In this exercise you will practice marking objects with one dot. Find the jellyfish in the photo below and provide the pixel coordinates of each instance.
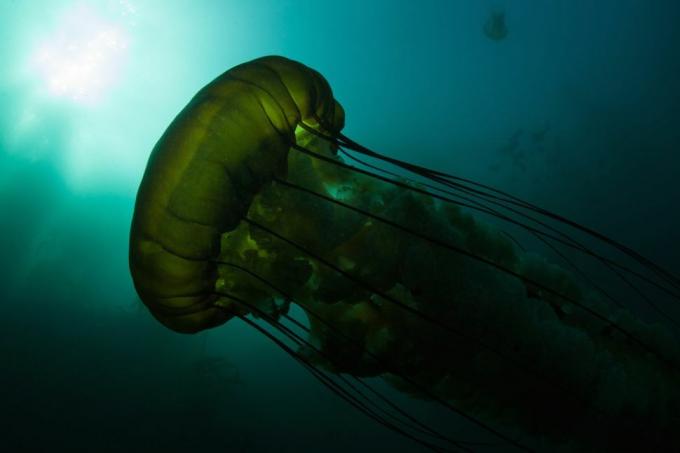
(254, 200)
(495, 28)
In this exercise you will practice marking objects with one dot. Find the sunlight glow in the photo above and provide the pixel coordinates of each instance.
(81, 57)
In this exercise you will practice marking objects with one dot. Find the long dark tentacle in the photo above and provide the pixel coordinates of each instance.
(456, 249)
(331, 384)
(490, 192)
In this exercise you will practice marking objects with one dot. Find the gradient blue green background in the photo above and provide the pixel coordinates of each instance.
(85, 369)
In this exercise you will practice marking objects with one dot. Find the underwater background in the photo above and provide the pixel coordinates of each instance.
(576, 109)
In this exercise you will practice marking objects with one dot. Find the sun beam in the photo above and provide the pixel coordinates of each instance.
(81, 57)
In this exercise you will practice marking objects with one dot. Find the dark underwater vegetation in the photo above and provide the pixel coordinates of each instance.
(575, 110)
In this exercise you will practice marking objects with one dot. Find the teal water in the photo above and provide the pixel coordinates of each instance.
(577, 110)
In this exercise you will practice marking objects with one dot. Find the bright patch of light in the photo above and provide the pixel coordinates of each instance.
(81, 57)
(95, 82)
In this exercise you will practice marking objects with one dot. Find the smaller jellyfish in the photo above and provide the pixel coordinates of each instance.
(495, 28)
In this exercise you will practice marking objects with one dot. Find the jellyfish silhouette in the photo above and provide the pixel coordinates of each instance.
(494, 27)
(253, 200)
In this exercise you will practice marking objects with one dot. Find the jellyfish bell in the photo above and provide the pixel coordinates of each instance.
(194, 190)
(495, 27)
(253, 200)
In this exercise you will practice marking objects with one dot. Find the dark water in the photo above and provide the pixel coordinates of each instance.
(577, 109)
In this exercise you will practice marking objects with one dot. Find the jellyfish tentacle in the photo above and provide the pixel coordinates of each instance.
(335, 387)
(390, 367)
(501, 196)
(589, 310)
(480, 206)
(301, 342)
